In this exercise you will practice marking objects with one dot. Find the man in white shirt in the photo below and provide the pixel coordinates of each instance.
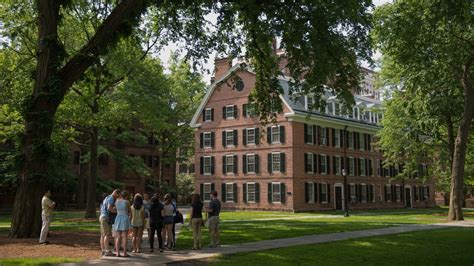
(46, 215)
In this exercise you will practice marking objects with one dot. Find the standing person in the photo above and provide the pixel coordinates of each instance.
(47, 206)
(213, 212)
(156, 222)
(107, 209)
(195, 220)
(122, 223)
(138, 221)
(146, 204)
(168, 219)
(175, 220)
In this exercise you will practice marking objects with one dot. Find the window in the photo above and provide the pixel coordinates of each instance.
(250, 192)
(309, 162)
(276, 192)
(372, 193)
(356, 113)
(309, 102)
(207, 191)
(191, 168)
(350, 139)
(388, 193)
(380, 193)
(251, 163)
(362, 167)
(229, 138)
(426, 195)
(229, 165)
(309, 134)
(337, 138)
(229, 192)
(250, 135)
(275, 134)
(208, 114)
(364, 193)
(207, 139)
(310, 192)
(330, 108)
(324, 165)
(229, 112)
(249, 110)
(324, 193)
(276, 162)
(361, 141)
(353, 193)
(351, 166)
(337, 109)
(207, 165)
(337, 165)
(398, 196)
(323, 136)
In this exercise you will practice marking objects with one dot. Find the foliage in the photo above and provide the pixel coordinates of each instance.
(184, 188)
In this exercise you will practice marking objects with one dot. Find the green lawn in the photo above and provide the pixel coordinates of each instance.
(38, 261)
(241, 227)
(452, 246)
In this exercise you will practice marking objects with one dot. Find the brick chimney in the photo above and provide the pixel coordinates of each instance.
(221, 66)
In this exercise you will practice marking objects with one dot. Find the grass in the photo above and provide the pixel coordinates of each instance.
(240, 227)
(435, 247)
(38, 261)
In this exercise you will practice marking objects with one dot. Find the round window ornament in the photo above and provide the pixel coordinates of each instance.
(239, 85)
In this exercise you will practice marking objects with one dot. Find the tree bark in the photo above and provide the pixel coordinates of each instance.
(81, 183)
(93, 172)
(52, 82)
(459, 156)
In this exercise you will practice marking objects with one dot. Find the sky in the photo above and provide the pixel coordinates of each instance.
(208, 67)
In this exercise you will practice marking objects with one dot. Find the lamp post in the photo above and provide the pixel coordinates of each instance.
(344, 174)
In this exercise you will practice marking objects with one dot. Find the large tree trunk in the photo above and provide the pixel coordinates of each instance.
(93, 172)
(81, 182)
(459, 158)
(52, 82)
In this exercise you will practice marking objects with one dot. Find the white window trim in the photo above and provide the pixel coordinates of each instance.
(323, 138)
(353, 195)
(338, 167)
(362, 165)
(204, 140)
(204, 165)
(227, 193)
(311, 161)
(226, 112)
(398, 193)
(247, 165)
(210, 115)
(204, 191)
(247, 136)
(389, 191)
(227, 164)
(226, 138)
(311, 140)
(279, 163)
(311, 192)
(279, 135)
(325, 163)
(351, 166)
(362, 194)
(279, 192)
(337, 136)
(254, 192)
(325, 200)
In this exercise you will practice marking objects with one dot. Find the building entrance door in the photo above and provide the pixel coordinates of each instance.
(338, 198)
(407, 197)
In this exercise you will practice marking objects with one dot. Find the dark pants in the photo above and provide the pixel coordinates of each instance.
(156, 227)
(174, 235)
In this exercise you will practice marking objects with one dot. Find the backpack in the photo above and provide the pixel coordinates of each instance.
(178, 218)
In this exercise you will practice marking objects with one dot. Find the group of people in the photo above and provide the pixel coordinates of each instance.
(158, 217)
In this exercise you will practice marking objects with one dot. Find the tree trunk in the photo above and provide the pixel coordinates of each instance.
(459, 158)
(93, 160)
(52, 81)
(80, 183)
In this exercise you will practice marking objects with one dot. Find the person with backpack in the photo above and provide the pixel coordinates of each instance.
(213, 211)
(156, 222)
(106, 219)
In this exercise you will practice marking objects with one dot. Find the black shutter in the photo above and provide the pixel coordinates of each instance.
(212, 114)
(244, 164)
(257, 136)
(257, 164)
(204, 114)
(223, 191)
(257, 192)
(213, 139)
(224, 113)
(224, 164)
(269, 193)
(385, 193)
(357, 192)
(306, 135)
(244, 110)
(327, 137)
(334, 170)
(236, 112)
(306, 193)
(282, 134)
(224, 135)
(348, 166)
(315, 191)
(212, 165)
(328, 193)
(328, 164)
(428, 193)
(201, 138)
(319, 135)
(319, 164)
(306, 163)
(236, 164)
(282, 193)
(213, 188)
(342, 142)
(236, 138)
(369, 142)
(244, 192)
(282, 163)
(201, 190)
(333, 137)
(319, 192)
(360, 192)
(315, 134)
(370, 193)
(315, 163)
(234, 187)
(244, 139)
(201, 165)
(269, 163)
(269, 135)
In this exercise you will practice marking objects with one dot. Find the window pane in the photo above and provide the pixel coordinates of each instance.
(229, 192)
(276, 196)
(276, 162)
(251, 136)
(251, 192)
(229, 138)
(230, 164)
(229, 112)
(275, 134)
(251, 163)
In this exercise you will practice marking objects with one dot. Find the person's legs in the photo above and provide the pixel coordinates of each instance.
(134, 239)
(169, 235)
(44, 228)
(160, 236)
(124, 242)
(139, 241)
(151, 236)
(199, 233)
(174, 234)
(194, 227)
(118, 235)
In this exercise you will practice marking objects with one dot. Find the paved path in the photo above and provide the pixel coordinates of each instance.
(182, 256)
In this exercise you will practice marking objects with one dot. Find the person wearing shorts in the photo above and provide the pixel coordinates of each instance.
(213, 214)
(168, 220)
(108, 206)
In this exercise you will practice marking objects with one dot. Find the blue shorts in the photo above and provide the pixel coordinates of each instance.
(168, 220)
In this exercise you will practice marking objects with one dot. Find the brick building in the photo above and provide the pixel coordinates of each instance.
(295, 164)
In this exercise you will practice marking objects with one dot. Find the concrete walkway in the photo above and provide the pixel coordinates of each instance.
(182, 256)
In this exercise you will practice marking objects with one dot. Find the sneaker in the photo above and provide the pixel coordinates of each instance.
(102, 253)
(109, 253)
